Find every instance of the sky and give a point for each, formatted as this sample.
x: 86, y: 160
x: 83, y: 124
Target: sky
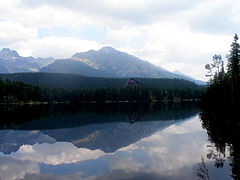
x: 176, y: 35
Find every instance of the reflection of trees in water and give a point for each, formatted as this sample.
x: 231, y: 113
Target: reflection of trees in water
x: 67, y: 115
x: 223, y: 129
x: 202, y: 172
x: 217, y: 154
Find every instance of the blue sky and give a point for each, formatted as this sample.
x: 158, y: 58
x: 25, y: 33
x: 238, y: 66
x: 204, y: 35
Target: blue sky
x: 177, y: 35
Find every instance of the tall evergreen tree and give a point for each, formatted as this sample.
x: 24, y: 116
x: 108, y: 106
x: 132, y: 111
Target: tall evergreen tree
x: 233, y: 66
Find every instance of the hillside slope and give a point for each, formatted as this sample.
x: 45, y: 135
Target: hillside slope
x: 57, y: 80
x: 109, y: 62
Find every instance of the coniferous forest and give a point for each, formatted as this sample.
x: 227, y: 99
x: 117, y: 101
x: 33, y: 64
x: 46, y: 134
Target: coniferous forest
x: 224, y: 85
x: 220, y: 106
x: 18, y: 92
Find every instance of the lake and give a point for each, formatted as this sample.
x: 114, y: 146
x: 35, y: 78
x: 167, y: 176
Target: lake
x: 111, y: 141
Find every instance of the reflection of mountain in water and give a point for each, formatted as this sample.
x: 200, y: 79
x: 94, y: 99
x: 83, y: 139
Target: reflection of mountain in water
x: 11, y: 140
x: 108, y: 137
x: 106, y: 128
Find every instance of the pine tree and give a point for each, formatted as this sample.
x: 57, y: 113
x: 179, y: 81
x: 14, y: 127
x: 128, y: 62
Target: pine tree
x: 233, y: 66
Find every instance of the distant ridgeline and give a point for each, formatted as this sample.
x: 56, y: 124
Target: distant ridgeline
x: 53, y: 87
x: 106, y: 62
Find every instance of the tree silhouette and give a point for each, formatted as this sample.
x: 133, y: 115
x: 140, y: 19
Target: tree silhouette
x: 233, y: 66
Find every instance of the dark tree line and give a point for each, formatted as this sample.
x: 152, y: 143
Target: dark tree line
x: 72, y: 81
x: 220, y: 106
x: 224, y: 85
x: 17, y: 92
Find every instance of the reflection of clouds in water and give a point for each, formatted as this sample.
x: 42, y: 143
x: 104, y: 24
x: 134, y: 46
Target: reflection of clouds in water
x: 114, y: 175
x: 12, y: 169
x: 50, y: 177
x: 170, y: 154
x: 25, y: 162
x: 129, y: 148
x: 187, y: 127
x: 57, y: 153
x: 127, y: 164
x: 171, y: 151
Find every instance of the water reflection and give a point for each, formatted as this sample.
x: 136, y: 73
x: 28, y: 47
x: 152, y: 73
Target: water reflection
x: 42, y: 117
x: 90, y: 126
x: 164, y: 142
x: 224, y: 131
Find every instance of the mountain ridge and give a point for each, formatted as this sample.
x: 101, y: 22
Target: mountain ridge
x: 106, y: 62
x: 12, y: 62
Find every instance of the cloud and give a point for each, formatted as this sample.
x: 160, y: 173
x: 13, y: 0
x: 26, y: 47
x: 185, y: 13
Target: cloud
x: 57, y: 47
x: 165, y: 159
x: 169, y: 33
x: 42, y: 16
x: 12, y: 32
x: 12, y: 169
x: 138, y: 12
x: 215, y: 17
x: 174, y: 48
x: 125, y: 34
x: 57, y: 153
x: 116, y: 163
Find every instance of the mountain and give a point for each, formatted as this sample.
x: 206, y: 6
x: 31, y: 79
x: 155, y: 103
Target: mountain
x: 109, y: 137
x: 3, y: 69
x: 121, y: 64
x: 8, y: 54
x: 109, y: 62
x: 74, y: 67
x: 190, y: 78
x: 106, y: 62
x: 11, y: 140
x: 12, y: 62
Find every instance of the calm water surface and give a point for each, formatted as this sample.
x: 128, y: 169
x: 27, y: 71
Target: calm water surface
x: 108, y: 142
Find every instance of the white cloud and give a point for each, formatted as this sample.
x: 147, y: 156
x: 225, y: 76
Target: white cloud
x: 57, y: 153
x: 214, y: 17
x: 12, y: 169
x: 11, y: 32
x: 193, y: 70
x: 165, y: 159
x: 43, y: 16
x: 176, y: 49
x: 116, y: 163
x: 57, y: 47
x: 139, y: 12
x: 124, y: 34
x: 8, y: 4
x: 167, y: 33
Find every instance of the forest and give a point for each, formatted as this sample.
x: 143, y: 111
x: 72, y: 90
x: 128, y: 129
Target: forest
x: 74, y: 81
x: 224, y: 86
x: 220, y: 108
x: 18, y: 92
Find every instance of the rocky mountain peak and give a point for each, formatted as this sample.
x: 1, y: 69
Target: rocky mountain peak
x: 107, y: 49
x: 8, y: 54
